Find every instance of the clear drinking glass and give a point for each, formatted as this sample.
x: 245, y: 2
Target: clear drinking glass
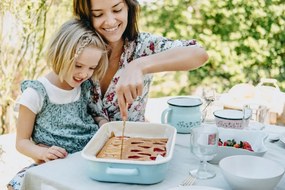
x: 204, y: 145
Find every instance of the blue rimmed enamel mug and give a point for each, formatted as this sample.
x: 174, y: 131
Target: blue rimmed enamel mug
x: 183, y: 113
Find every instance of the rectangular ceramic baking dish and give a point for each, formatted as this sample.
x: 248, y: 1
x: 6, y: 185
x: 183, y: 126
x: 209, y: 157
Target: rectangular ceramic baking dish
x: 129, y: 171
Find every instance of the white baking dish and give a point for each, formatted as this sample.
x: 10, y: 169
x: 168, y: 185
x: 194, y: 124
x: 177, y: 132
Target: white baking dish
x: 129, y: 171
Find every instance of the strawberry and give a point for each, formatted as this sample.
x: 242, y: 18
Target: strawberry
x: 247, y: 146
x: 232, y: 143
x: 236, y: 145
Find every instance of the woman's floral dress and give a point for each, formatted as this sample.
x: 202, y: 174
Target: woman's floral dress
x: 145, y: 44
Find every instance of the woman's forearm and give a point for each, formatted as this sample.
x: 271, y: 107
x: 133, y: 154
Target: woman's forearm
x: 175, y: 59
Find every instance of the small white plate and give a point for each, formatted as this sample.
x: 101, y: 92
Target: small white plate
x: 195, y: 187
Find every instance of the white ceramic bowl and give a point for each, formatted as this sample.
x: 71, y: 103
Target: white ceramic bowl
x: 244, y: 172
x: 231, y: 118
x: 255, y: 138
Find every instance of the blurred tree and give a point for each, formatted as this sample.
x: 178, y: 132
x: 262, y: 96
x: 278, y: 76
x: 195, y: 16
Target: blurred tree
x: 24, y: 27
x: 245, y: 39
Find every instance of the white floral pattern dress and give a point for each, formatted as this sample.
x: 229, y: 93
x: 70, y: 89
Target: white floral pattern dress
x: 144, y: 45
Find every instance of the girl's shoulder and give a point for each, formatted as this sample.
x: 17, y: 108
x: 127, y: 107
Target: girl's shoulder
x: 34, y: 84
x: 33, y: 95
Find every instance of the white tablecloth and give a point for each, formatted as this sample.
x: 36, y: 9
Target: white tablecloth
x: 71, y: 173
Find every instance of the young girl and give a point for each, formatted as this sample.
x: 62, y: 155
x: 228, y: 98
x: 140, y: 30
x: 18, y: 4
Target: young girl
x: 53, y: 119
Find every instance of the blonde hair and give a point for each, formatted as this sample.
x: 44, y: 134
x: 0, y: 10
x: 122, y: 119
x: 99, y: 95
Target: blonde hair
x: 67, y: 44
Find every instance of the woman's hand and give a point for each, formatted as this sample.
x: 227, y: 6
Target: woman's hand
x: 52, y: 153
x: 129, y: 86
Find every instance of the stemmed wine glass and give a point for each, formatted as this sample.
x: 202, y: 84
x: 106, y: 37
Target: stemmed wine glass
x: 204, y: 145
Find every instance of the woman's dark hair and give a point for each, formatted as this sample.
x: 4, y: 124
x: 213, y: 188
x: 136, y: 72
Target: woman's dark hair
x: 132, y: 30
x: 82, y: 10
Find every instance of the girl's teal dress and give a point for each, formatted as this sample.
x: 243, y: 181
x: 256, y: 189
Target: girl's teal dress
x: 69, y: 126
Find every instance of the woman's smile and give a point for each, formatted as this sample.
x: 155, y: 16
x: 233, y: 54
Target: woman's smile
x: 111, y: 29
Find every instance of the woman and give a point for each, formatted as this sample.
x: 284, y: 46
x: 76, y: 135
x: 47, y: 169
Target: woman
x: 133, y: 57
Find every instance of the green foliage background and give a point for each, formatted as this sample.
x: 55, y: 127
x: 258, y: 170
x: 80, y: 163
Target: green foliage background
x: 244, y: 39
x: 25, y: 27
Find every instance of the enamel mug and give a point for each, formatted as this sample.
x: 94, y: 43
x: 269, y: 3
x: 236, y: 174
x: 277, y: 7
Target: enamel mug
x: 183, y: 113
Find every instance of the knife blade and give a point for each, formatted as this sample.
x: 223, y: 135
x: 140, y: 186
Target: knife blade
x: 122, y: 140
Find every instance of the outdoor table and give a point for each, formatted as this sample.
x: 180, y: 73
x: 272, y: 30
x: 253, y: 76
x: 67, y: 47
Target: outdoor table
x: 71, y: 173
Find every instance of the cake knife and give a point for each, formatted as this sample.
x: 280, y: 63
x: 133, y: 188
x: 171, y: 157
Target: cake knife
x: 123, y: 136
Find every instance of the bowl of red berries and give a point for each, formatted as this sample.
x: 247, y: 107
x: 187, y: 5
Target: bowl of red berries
x: 240, y: 142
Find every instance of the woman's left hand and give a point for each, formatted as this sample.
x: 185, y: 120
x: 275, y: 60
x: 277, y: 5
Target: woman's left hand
x: 129, y: 87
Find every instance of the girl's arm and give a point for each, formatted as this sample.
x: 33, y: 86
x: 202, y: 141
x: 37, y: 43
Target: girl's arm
x: 101, y: 120
x: 24, y: 144
x: 130, y: 84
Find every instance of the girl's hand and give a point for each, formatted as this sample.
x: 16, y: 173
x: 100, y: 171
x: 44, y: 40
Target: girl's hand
x: 53, y: 153
x: 129, y: 86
